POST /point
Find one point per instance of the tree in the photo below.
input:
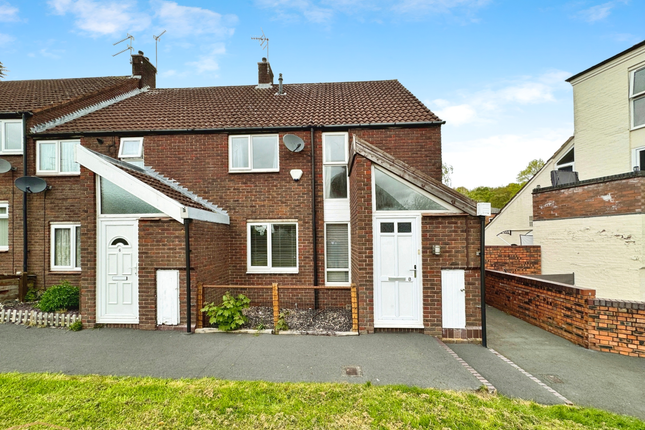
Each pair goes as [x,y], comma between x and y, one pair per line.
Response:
[2,70]
[446,171]
[525,175]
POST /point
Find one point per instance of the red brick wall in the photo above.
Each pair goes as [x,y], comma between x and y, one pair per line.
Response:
[617,327]
[522,260]
[623,194]
[290,298]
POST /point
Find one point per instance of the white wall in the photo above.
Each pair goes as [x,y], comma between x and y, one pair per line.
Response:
[605,253]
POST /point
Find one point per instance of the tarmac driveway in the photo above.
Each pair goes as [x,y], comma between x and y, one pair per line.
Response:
[544,367]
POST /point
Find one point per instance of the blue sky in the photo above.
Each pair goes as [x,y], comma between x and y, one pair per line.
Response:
[495,70]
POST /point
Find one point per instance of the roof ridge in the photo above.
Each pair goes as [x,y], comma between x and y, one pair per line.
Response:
[65,79]
[86,110]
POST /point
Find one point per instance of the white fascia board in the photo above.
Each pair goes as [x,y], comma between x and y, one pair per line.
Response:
[203,215]
[145,192]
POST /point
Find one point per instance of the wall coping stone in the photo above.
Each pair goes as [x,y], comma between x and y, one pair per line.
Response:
[545,285]
[626,304]
[600,180]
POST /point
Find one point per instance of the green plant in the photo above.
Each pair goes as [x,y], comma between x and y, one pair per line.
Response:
[260,327]
[282,321]
[76,326]
[228,316]
[61,296]
[32,295]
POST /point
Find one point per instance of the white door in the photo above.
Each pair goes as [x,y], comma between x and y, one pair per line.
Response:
[117,279]
[397,274]
[168,297]
[453,299]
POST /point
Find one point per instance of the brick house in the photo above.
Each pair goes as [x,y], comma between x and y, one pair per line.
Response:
[355,198]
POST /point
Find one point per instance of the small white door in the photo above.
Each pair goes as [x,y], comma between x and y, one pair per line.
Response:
[397,274]
[453,299]
[118,264]
[168,297]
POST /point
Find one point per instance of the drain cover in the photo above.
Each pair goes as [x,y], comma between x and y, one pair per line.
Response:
[553,378]
[352,371]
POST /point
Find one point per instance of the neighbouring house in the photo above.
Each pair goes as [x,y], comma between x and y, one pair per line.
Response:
[587,211]
[327,184]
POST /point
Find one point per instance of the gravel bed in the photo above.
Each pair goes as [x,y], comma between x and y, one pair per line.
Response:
[27,306]
[304,320]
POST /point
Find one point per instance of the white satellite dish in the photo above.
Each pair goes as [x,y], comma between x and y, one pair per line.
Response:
[293,142]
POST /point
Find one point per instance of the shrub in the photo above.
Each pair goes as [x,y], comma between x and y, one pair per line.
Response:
[32,295]
[76,325]
[228,316]
[58,297]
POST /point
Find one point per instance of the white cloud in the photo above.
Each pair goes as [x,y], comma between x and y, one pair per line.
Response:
[102,18]
[8,13]
[5,39]
[182,21]
[458,115]
[55,54]
[596,13]
[207,63]
[290,10]
[425,6]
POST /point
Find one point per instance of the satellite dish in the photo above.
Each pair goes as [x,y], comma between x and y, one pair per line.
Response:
[5,166]
[31,184]
[293,142]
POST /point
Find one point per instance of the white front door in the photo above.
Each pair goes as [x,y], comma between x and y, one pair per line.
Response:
[397,274]
[117,278]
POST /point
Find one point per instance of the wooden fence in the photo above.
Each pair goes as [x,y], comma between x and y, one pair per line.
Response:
[260,295]
[41,319]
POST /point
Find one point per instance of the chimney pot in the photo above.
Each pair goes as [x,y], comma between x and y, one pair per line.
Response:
[280,91]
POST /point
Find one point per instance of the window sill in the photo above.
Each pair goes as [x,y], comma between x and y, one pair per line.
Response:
[4,249]
[272,271]
[10,153]
[57,174]
[65,271]
[255,171]
[638,127]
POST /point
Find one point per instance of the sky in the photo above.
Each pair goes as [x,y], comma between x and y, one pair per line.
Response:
[494,70]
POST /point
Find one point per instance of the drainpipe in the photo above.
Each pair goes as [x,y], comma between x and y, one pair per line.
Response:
[25,248]
[188,299]
[313,215]
[482,262]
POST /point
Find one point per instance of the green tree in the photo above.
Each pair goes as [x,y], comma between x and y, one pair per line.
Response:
[3,70]
[525,175]
[446,171]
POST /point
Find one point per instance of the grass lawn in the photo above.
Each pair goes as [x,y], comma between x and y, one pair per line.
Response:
[100,402]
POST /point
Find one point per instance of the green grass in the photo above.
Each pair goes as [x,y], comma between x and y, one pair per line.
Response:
[100,402]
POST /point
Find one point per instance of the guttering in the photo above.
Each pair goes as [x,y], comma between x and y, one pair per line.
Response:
[235,129]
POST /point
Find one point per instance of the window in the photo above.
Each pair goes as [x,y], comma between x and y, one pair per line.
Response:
[56,157]
[115,200]
[253,153]
[11,136]
[337,254]
[272,247]
[637,97]
[567,162]
[335,165]
[131,150]
[394,195]
[4,226]
[66,247]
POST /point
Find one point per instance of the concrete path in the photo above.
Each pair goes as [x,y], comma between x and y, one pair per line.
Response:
[541,362]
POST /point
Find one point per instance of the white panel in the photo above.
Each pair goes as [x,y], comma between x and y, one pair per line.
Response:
[453,299]
[112,264]
[168,297]
[406,255]
[127,293]
[388,299]
[337,210]
[112,293]
[126,268]
[388,256]
[407,300]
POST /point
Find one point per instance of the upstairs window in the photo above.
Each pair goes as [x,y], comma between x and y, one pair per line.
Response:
[10,136]
[335,165]
[567,162]
[131,150]
[4,226]
[253,153]
[56,157]
[637,97]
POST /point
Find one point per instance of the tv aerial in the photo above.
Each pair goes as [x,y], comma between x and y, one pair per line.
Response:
[129,45]
[264,42]
[5,166]
[293,142]
[31,184]
[156,38]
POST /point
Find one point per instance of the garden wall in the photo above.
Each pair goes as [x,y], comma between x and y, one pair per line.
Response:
[572,313]
[523,260]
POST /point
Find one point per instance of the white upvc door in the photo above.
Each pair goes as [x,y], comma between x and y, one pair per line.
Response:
[397,273]
[117,278]
[453,299]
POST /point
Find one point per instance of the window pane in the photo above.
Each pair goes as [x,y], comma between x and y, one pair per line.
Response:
[78,248]
[387,227]
[62,251]
[13,136]
[335,148]
[283,245]
[405,227]
[259,240]
[335,182]
[4,232]
[568,158]
[3,211]
[639,81]
[67,163]
[337,276]
[115,200]
[47,156]
[337,246]
[265,152]
[239,152]
[639,111]
[131,148]
[393,195]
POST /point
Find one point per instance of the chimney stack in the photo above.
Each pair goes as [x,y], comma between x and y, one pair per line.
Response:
[143,68]
[265,74]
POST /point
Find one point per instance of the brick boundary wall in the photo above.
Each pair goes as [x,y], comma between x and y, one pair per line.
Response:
[521,260]
[572,313]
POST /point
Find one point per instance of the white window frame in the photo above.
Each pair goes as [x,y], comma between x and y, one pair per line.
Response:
[3,150]
[636,157]
[633,97]
[72,246]
[269,269]
[349,257]
[136,159]
[559,166]
[56,171]
[250,169]
[335,163]
[5,216]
